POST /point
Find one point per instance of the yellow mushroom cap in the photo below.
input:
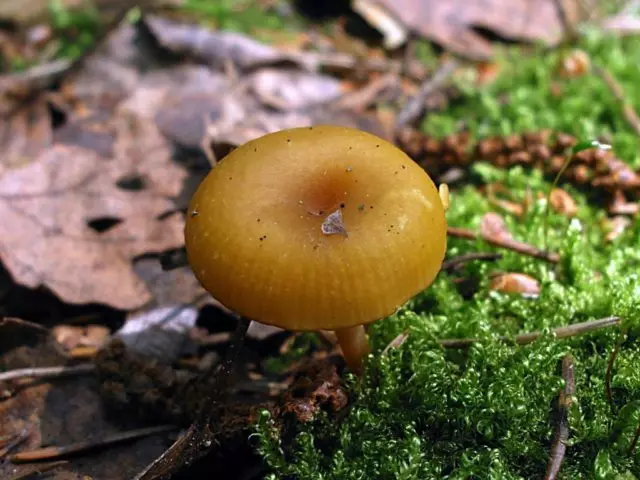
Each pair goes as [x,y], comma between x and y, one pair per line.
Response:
[312,228]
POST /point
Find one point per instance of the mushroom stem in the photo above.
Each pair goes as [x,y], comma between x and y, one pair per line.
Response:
[355,346]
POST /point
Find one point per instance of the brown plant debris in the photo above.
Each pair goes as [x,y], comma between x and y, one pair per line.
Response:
[565,399]
[562,202]
[506,243]
[317,388]
[53,453]
[455,263]
[46,372]
[526,338]
[593,168]
[520,283]
[452,23]
[68,225]
[416,105]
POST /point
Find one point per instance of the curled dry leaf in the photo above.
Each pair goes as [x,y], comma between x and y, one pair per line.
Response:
[621,206]
[24,134]
[161,334]
[452,23]
[525,285]
[56,215]
[575,64]
[563,203]
[70,336]
[294,89]
[216,48]
[240,126]
[494,226]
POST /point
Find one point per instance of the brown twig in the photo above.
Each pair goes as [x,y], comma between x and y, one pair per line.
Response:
[47,372]
[345,61]
[14,442]
[37,470]
[396,342]
[628,111]
[526,338]
[456,262]
[609,374]
[415,106]
[506,243]
[222,375]
[565,399]
[49,453]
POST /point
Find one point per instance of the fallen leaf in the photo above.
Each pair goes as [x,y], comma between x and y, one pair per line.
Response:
[525,285]
[215,48]
[494,226]
[245,127]
[70,336]
[562,202]
[170,287]
[161,333]
[294,89]
[69,226]
[621,206]
[452,24]
[24,134]
[574,64]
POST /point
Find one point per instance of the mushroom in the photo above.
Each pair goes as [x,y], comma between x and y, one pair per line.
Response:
[317,228]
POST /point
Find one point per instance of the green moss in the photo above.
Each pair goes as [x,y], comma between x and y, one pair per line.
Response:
[529,95]
[244,17]
[423,412]
[75,30]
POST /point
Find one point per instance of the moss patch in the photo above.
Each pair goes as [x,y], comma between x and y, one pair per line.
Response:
[424,412]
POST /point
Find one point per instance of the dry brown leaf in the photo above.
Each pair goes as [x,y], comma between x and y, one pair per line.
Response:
[24,134]
[563,203]
[494,226]
[574,64]
[71,336]
[216,48]
[452,23]
[515,283]
[46,237]
[237,126]
[161,333]
[293,89]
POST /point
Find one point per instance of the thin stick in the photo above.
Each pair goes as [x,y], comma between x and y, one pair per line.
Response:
[415,106]
[38,470]
[49,453]
[609,374]
[455,262]
[222,376]
[396,342]
[565,399]
[526,338]
[628,111]
[509,244]
[338,60]
[14,442]
[47,372]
